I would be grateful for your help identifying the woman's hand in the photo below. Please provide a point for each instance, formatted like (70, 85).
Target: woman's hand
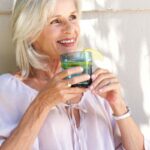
(106, 85)
(59, 89)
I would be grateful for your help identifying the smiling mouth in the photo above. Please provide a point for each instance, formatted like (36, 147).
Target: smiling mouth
(69, 42)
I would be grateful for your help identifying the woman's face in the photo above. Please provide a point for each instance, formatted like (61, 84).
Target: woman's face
(61, 35)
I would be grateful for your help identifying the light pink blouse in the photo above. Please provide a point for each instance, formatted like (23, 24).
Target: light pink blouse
(97, 130)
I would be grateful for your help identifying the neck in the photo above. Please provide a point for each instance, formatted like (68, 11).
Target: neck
(53, 68)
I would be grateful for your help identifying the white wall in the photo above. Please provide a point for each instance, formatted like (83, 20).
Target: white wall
(120, 30)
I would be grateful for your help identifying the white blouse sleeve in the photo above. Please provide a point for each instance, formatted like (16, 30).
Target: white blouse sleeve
(116, 131)
(116, 136)
(10, 113)
(14, 100)
(5, 131)
(147, 143)
(7, 124)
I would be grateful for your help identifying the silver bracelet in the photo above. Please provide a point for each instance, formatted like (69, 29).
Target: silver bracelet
(123, 116)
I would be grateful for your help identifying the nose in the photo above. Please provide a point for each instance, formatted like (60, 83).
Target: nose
(68, 27)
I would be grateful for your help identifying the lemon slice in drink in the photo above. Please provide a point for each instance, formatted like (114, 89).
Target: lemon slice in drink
(95, 54)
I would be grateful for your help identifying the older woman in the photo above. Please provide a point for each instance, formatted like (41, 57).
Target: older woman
(33, 109)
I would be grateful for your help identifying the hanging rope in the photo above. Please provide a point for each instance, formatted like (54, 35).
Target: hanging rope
(100, 11)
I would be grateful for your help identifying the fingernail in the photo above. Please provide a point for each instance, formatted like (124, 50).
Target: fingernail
(93, 77)
(81, 69)
(88, 76)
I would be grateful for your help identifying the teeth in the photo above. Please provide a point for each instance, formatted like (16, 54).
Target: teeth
(67, 41)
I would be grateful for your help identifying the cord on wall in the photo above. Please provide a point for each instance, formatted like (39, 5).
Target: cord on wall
(100, 11)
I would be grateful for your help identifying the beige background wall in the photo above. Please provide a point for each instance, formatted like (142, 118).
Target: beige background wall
(120, 30)
(7, 59)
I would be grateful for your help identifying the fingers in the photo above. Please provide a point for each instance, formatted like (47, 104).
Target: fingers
(75, 90)
(59, 88)
(75, 97)
(110, 87)
(97, 72)
(70, 71)
(103, 81)
(66, 83)
(78, 79)
(70, 93)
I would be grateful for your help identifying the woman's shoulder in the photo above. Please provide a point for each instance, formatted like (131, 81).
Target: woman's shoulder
(5, 79)
(11, 83)
(15, 97)
(8, 83)
(14, 92)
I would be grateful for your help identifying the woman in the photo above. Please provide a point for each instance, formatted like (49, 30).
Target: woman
(34, 113)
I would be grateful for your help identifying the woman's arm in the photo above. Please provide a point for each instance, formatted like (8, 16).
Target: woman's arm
(107, 86)
(131, 136)
(55, 92)
(22, 138)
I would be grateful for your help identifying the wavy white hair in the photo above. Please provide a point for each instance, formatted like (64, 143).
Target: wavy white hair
(28, 20)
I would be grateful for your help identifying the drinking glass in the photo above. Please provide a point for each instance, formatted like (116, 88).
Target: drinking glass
(79, 58)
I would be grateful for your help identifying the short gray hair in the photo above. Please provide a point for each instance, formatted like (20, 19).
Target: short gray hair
(28, 20)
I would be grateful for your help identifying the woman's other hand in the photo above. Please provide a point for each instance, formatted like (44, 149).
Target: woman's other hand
(106, 85)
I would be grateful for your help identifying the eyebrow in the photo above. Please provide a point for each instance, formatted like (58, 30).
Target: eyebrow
(60, 15)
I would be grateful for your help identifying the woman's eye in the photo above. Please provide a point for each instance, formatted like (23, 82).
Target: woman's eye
(73, 17)
(56, 21)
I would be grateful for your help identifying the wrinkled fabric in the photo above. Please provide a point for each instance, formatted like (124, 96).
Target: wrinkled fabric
(97, 129)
